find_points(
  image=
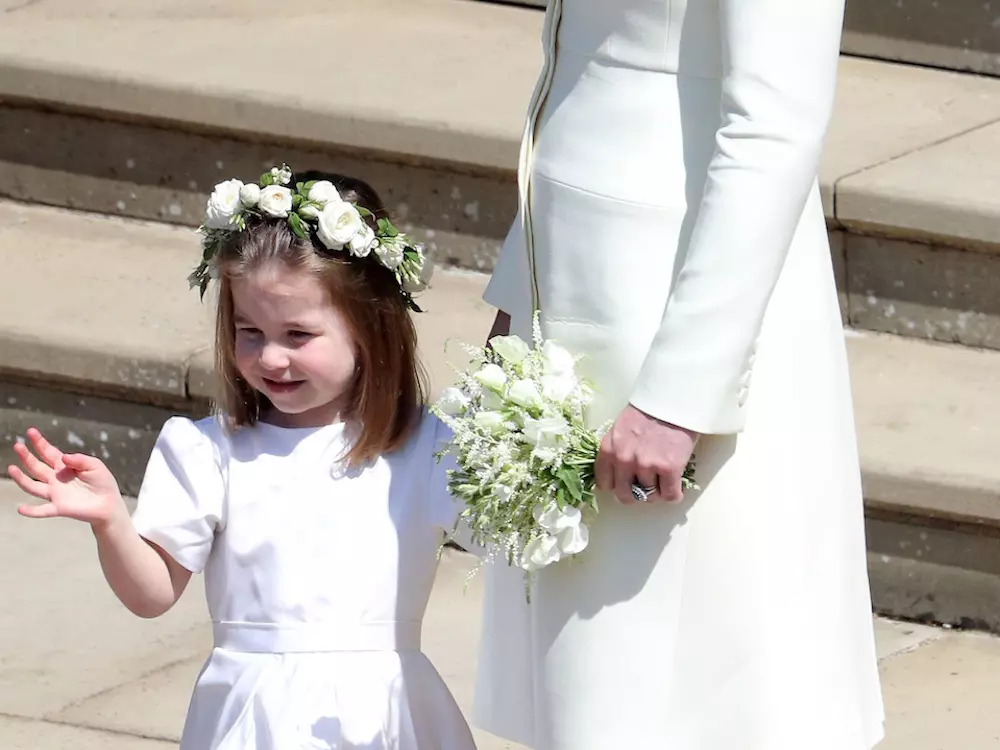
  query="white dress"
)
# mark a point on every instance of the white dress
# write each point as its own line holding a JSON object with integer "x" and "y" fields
{"x": 670, "y": 229}
{"x": 316, "y": 580}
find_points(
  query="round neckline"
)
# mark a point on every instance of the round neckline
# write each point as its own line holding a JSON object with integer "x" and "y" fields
{"x": 333, "y": 426}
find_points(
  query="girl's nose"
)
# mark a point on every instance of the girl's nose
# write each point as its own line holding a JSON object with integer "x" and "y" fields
{"x": 273, "y": 357}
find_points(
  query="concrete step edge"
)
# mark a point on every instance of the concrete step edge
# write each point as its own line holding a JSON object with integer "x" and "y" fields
{"x": 887, "y": 114}
{"x": 88, "y": 350}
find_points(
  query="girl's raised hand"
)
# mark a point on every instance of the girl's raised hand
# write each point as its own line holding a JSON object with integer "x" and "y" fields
{"x": 73, "y": 485}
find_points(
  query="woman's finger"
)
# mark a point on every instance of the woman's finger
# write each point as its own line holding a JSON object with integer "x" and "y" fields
{"x": 32, "y": 486}
{"x": 670, "y": 488}
{"x": 35, "y": 467}
{"x": 49, "y": 453}
{"x": 624, "y": 476}
{"x": 649, "y": 481}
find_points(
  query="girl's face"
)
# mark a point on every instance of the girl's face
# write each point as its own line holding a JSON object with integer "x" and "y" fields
{"x": 292, "y": 345}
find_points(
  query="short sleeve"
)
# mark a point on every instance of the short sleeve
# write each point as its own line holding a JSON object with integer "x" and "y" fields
{"x": 181, "y": 498}
{"x": 446, "y": 509}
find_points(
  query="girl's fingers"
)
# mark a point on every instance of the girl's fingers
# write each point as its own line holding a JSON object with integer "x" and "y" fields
{"x": 45, "y": 510}
{"x": 35, "y": 467}
{"x": 32, "y": 486}
{"x": 80, "y": 462}
{"x": 49, "y": 453}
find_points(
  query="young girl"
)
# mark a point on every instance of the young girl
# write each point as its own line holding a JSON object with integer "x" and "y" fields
{"x": 312, "y": 502}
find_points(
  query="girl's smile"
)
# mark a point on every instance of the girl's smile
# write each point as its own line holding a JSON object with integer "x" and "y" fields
{"x": 281, "y": 387}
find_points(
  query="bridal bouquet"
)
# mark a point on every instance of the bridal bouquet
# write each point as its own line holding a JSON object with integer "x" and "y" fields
{"x": 524, "y": 453}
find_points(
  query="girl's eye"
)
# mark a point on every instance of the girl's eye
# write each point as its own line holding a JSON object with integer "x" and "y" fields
{"x": 247, "y": 332}
{"x": 301, "y": 335}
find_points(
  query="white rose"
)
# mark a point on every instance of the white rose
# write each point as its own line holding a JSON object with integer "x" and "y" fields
{"x": 574, "y": 539}
{"x": 452, "y": 401}
{"x": 491, "y": 420}
{"x": 323, "y": 193}
{"x": 546, "y": 434}
{"x": 558, "y": 387}
{"x": 361, "y": 243}
{"x": 338, "y": 224}
{"x": 525, "y": 393}
{"x": 250, "y": 195}
{"x": 390, "y": 254}
{"x": 275, "y": 201}
{"x": 541, "y": 551}
{"x": 556, "y": 360}
{"x": 492, "y": 376}
{"x": 554, "y": 519}
{"x": 511, "y": 348}
{"x": 223, "y": 204}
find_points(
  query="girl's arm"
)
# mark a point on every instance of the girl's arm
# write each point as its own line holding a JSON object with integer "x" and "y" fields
{"x": 143, "y": 577}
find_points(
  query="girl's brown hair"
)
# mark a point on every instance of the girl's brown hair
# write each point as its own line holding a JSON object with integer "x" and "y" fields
{"x": 390, "y": 384}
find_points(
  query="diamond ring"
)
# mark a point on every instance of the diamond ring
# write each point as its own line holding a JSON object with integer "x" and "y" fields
{"x": 641, "y": 493}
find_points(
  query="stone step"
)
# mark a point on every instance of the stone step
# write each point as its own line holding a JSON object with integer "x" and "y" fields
{"x": 137, "y": 110}
{"x": 100, "y": 341}
{"x": 961, "y": 35}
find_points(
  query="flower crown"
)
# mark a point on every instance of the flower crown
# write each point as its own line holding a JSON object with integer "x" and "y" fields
{"x": 311, "y": 207}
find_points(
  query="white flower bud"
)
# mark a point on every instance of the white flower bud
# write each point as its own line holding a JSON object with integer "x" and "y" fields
{"x": 250, "y": 195}
{"x": 525, "y": 393}
{"x": 511, "y": 348}
{"x": 281, "y": 176}
{"x": 492, "y": 376}
{"x": 491, "y": 420}
{"x": 452, "y": 401}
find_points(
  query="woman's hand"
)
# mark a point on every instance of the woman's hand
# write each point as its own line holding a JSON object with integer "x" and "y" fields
{"x": 73, "y": 485}
{"x": 639, "y": 448}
